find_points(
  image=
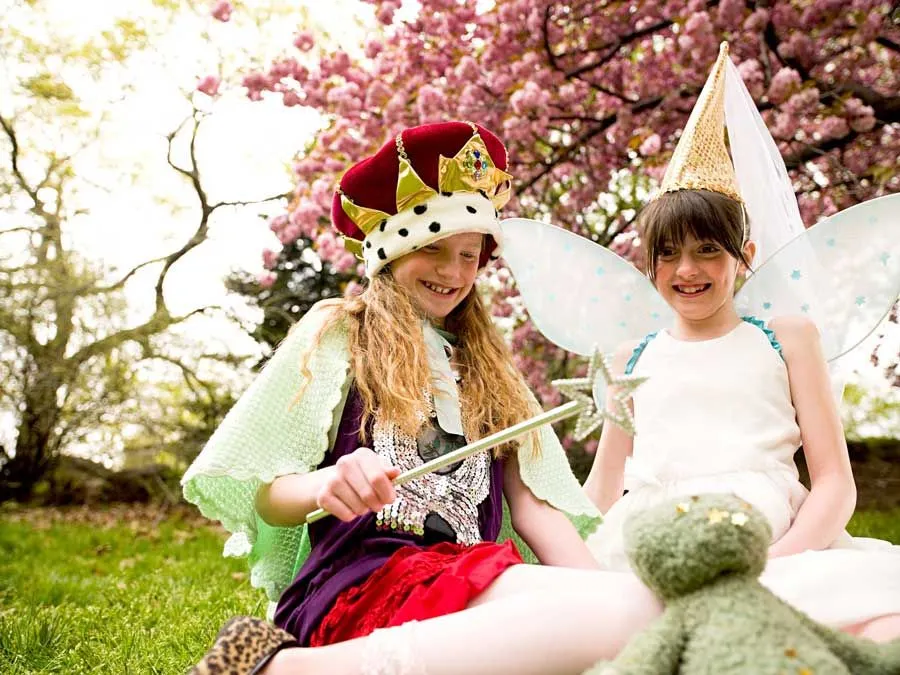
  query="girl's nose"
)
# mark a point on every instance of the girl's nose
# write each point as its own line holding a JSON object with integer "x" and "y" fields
{"x": 686, "y": 267}
{"x": 447, "y": 268}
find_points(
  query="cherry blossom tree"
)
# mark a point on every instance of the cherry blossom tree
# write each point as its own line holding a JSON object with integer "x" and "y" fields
{"x": 590, "y": 98}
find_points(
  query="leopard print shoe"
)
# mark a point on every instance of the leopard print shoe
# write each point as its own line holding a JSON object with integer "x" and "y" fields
{"x": 244, "y": 646}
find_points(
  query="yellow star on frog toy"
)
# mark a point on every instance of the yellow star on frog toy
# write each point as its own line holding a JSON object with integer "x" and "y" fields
{"x": 581, "y": 389}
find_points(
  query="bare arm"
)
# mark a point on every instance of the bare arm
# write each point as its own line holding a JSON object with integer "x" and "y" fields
{"x": 832, "y": 498}
{"x": 605, "y": 483}
{"x": 356, "y": 484}
{"x": 548, "y": 532}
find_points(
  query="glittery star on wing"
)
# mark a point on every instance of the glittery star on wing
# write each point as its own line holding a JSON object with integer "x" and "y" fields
{"x": 581, "y": 388}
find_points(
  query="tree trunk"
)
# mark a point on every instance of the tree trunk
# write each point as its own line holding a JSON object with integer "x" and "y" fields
{"x": 37, "y": 444}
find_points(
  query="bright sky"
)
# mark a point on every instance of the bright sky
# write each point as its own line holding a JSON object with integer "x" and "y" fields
{"x": 245, "y": 148}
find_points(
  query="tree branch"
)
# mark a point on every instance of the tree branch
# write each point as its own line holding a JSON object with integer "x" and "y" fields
{"x": 18, "y": 229}
{"x": 140, "y": 334}
{"x": 602, "y": 125}
{"x": 96, "y": 290}
{"x": 284, "y": 195}
{"x": 14, "y": 158}
{"x": 610, "y": 49}
{"x": 887, "y": 42}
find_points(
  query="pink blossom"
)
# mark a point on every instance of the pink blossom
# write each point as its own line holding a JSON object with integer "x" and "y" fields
{"x": 304, "y": 40}
{"x": 266, "y": 279}
{"x": 306, "y": 216}
{"x": 731, "y": 13}
{"x": 752, "y": 74}
{"x": 270, "y": 258}
{"x": 278, "y": 222}
{"x": 468, "y": 70}
{"x": 863, "y": 124}
{"x": 529, "y": 98}
{"x": 378, "y": 94}
{"x": 353, "y": 289}
{"x": 803, "y": 102}
{"x": 432, "y": 103}
{"x": 327, "y": 245}
{"x": 786, "y": 125}
{"x": 833, "y": 127}
{"x": 333, "y": 165}
{"x": 343, "y": 262}
{"x": 322, "y": 192}
{"x": 784, "y": 83}
{"x": 288, "y": 235}
{"x": 373, "y": 48}
{"x": 290, "y": 98}
{"x": 757, "y": 20}
{"x": 221, "y": 11}
{"x": 651, "y": 145}
{"x": 285, "y": 68}
{"x": 862, "y": 117}
{"x": 256, "y": 83}
{"x": 346, "y": 98}
{"x": 385, "y": 13}
{"x": 209, "y": 85}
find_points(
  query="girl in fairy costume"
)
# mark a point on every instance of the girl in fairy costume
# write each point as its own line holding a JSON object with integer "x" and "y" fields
{"x": 367, "y": 387}
{"x": 735, "y": 385}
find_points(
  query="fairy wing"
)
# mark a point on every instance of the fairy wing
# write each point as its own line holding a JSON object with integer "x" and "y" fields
{"x": 579, "y": 294}
{"x": 844, "y": 272}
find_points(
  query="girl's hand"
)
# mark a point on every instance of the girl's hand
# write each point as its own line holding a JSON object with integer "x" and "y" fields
{"x": 359, "y": 483}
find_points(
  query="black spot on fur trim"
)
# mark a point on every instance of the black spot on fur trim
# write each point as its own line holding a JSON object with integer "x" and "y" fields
{"x": 382, "y": 225}
{"x": 368, "y": 244}
{"x": 447, "y": 194}
{"x": 496, "y": 213}
{"x": 435, "y": 227}
{"x": 403, "y": 232}
{"x": 420, "y": 209}
{"x": 483, "y": 194}
{"x": 382, "y": 254}
{"x": 471, "y": 209}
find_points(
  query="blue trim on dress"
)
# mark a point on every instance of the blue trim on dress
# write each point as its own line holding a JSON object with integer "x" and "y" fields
{"x": 636, "y": 353}
{"x": 776, "y": 345}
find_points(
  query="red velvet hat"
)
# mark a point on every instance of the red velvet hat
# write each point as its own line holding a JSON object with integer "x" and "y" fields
{"x": 428, "y": 183}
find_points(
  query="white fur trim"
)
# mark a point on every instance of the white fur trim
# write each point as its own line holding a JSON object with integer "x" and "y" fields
{"x": 439, "y": 217}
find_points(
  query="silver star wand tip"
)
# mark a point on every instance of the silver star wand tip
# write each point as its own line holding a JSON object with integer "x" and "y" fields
{"x": 598, "y": 378}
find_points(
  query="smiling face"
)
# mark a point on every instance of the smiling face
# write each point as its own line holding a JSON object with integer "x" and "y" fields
{"x": 440, "y": 275}
{"x": 695, "y": 245}
{"x": 696, "y": 277}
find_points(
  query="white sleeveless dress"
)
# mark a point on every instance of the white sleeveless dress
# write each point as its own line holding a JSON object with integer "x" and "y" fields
{"x": 717, "y": 416}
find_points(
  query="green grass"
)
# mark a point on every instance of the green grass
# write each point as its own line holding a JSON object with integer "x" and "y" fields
{"x": 119, "y": 597}
{"x": 112, "y": 592}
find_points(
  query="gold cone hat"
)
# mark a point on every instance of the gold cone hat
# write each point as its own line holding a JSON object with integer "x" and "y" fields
{"x": 701, "y": 160}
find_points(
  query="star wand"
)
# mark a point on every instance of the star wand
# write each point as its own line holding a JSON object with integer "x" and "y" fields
{"x": 590, "y": 416}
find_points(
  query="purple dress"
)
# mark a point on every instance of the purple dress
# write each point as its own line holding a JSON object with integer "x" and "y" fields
{"x": 346, "y": 554}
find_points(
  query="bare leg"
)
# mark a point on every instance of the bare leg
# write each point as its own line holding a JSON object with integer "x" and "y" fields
{"x": 532, "y": 621}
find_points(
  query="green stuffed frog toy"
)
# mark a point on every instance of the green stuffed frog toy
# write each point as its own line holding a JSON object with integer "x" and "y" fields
{"x": 702, "y": 556}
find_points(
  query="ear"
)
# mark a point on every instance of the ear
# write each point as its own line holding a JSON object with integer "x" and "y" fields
{"x": 749, "y": 253}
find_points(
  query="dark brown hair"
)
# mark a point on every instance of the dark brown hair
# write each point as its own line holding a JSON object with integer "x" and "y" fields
{"x": 705, "y": 215}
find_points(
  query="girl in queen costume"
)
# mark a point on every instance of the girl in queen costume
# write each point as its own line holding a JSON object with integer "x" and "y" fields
{"x": 735, "y": 384}
{"x": 365, "y": 388}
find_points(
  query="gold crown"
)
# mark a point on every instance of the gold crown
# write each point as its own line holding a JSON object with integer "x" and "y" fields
{"x": 701, "y": 160}
{"x": 470, "y": 170}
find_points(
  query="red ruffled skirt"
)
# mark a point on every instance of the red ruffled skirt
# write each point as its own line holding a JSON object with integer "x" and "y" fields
{"x": 415, "y": 584}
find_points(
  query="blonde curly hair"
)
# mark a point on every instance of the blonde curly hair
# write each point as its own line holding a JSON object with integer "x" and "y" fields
{"x": 390, "y": 366}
